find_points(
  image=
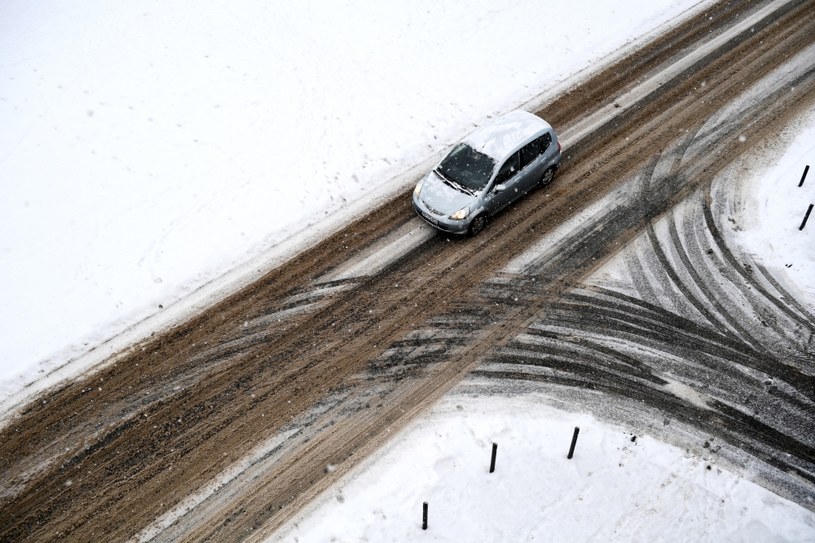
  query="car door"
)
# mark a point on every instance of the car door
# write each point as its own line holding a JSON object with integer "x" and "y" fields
{"x": 505, "y": 188}
{"x": 533, "y": 161}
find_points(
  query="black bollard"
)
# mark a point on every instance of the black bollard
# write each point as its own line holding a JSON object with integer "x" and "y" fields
{"x": 804, "y": 222}
{"x": 806, "y": 169}
{"x": 574, "y": 442}
{"x": 424, "y": 516}
{"x": 492, "y": 462}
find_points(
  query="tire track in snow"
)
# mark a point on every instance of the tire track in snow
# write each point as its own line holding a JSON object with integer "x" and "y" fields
{"x": 175, "y": 448}
{"x": 750, "y": 360}
{"x": 744, "y": 373}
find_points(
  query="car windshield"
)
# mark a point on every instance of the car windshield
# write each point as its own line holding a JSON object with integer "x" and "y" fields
{"x": 467, "y": 167}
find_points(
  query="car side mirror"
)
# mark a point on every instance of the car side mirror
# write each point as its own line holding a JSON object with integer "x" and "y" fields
{"x": 500, "y": 187}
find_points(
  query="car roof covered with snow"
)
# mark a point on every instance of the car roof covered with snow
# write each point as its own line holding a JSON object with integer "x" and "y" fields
{"x": 505, "y": 134}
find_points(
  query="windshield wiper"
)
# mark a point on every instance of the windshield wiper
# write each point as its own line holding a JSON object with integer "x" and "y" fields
{"x": 459, "y": 187}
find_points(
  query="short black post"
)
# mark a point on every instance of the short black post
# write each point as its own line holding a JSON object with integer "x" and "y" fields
{"x": 424, "y": 516}
{"x": 492, "y": 462}
{"x": 574, "y": 442}
{"x": 806, "y": 169}
{"x": 804, "y": 222}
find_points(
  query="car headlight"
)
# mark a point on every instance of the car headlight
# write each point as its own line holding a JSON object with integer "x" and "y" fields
{"x": 460, "y": 214}
{"x": 418, "y": 188}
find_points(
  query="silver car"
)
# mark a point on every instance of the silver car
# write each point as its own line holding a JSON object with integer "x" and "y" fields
{"x": 487, "y": 171}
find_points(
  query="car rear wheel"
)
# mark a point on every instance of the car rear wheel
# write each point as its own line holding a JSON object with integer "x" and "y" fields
{"x": 477, "y": 225}
{"x": 547, "y": 176}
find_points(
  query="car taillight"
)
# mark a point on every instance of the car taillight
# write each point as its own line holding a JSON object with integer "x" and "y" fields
{"x": 558, "y": 147}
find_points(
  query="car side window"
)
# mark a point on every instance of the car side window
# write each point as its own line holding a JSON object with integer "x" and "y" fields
{"x": 534, "y": 149}
{"x": 510, "y": 168}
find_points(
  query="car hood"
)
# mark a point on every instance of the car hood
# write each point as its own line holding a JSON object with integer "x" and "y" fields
{"x": 440, "y": 197}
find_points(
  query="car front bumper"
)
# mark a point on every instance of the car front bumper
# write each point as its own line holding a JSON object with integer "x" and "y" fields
{"x": 440, "y": 222}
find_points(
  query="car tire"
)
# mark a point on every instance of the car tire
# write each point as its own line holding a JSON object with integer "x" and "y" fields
{"x": 547, "y": 176}
{"x": 477, "y": 225}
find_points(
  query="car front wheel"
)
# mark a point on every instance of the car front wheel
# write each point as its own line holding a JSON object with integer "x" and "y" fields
{"x": 477, "y": 225}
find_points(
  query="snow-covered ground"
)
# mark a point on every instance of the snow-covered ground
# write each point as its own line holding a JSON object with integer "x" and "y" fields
{"x": 777, "y": 206}
{"x": 147, "y": 149}
{"x": 617, "y": 486}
